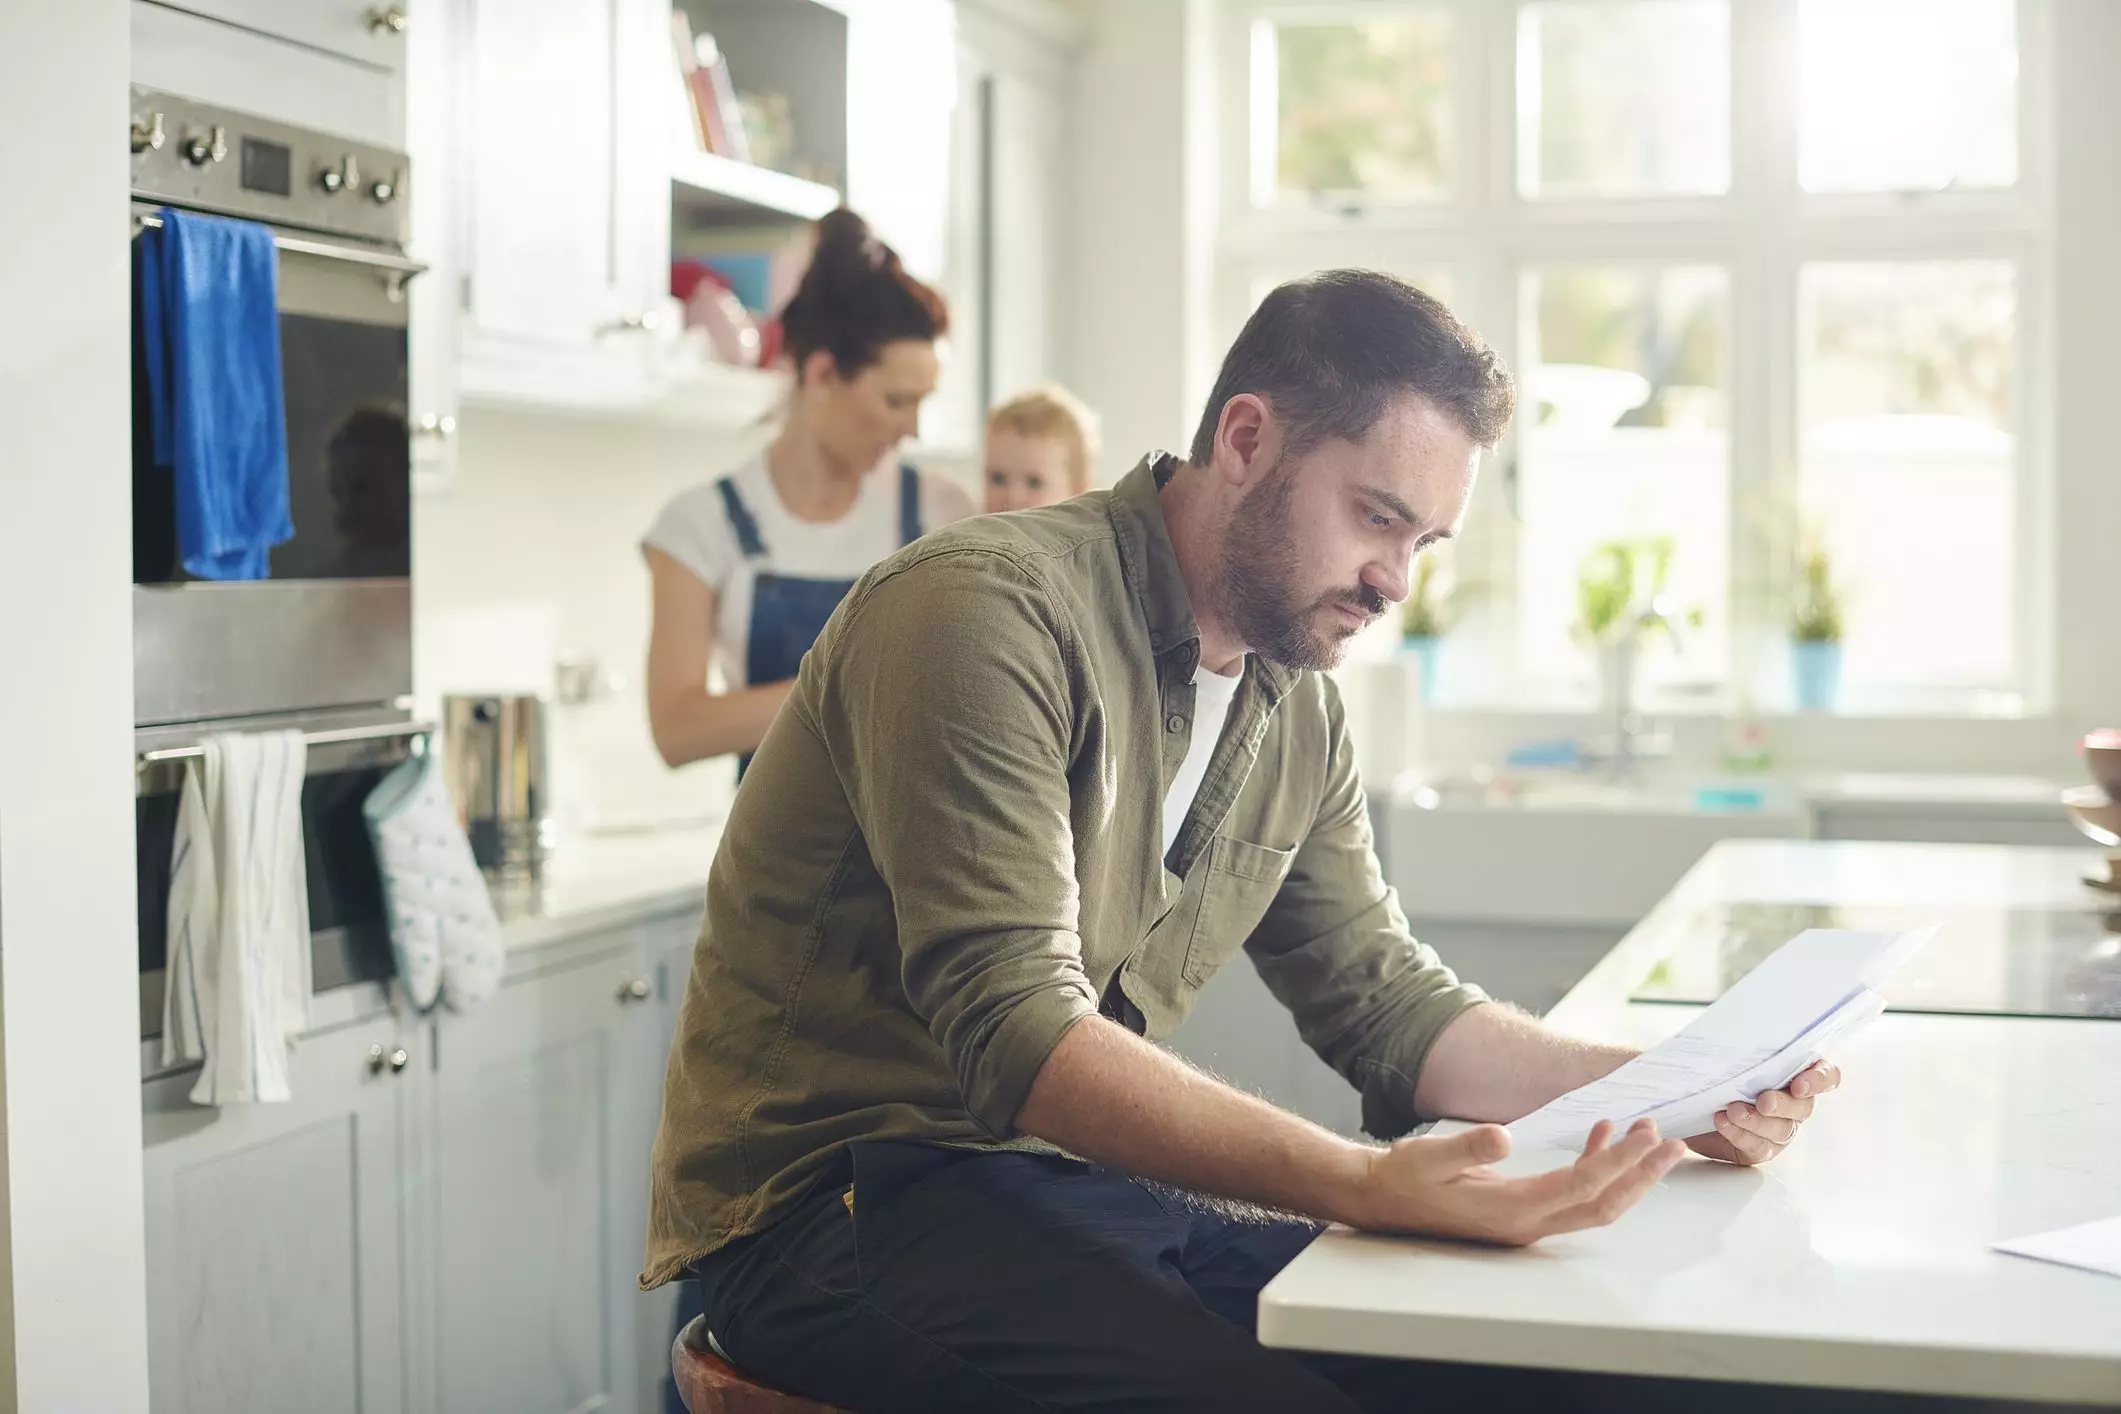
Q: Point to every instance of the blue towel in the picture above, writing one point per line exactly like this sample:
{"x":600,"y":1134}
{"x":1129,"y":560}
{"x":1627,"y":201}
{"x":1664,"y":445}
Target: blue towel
{"x":210,"y":324}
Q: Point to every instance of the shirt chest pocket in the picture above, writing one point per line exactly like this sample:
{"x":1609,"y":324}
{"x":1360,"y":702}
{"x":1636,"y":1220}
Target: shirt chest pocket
{"x":1241,"y":883}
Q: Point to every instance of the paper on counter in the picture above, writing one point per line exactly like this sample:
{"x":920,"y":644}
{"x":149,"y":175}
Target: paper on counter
{"x":1812,"y":993}
{"x":2093,"y":1246}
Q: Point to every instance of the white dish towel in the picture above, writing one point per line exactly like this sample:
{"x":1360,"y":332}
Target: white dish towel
{"x":238,"y":980}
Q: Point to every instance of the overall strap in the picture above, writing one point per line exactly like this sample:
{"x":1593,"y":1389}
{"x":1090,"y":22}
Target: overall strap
{"x":741,"y":520}
{"x":909,"y":504}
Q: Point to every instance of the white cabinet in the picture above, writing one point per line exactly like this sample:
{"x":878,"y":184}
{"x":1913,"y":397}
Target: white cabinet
{"x":276,"y":1234}
{"x":540,"y":126}
{"x":446,"y":1218}
{"x":370,"y":31}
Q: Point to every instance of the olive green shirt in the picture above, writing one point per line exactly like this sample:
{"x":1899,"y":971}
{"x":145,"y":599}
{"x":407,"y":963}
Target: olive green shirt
{"x":947,"y":852}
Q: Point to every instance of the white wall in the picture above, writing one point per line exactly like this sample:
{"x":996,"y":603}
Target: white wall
{"x":1135,"y":316}
{"x":530,"y":553}
{"x":73,"y":1315}
{"x":1134,"y":345}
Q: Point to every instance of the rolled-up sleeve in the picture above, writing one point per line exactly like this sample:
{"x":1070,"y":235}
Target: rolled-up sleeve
{"x":1336,"y":950}
{"x":948,"y":712}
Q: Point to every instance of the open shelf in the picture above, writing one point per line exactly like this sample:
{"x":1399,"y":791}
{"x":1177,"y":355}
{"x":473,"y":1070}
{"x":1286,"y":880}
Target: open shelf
{"x":708,"y":190}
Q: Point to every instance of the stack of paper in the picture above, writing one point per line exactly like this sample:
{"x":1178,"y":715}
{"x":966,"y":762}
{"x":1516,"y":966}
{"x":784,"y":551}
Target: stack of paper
{"x":1804,"y":1000}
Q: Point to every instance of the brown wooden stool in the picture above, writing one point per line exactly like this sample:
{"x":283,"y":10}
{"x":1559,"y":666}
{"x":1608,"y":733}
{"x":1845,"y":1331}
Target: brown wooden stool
{"x":711,"y":1385}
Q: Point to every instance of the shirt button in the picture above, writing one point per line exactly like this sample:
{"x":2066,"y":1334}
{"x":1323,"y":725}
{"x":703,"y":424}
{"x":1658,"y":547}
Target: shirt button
{"x":1156,"y":640}
{"x":1174,"y":723}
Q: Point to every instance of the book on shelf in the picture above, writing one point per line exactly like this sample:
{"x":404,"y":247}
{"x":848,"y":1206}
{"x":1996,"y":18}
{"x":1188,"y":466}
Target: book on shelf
{"x":726,"y":115}
{"x":681,"y":43}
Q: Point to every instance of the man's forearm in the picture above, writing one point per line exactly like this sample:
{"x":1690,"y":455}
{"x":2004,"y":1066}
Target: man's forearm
{"x":1494,"y":1063}
{"x":1108,"y":1095}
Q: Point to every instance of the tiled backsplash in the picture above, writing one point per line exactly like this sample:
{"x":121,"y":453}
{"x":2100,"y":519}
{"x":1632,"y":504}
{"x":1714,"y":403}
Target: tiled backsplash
{"x":530,"y":554}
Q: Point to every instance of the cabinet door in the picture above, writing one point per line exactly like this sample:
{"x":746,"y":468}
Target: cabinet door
{"x":536,"y":1243}
{"x":274,"y":1235}
{"x":667,"y":947}
{"x":372,"y":31}
{"x":564,"y":235}
{"x":539,"y":97}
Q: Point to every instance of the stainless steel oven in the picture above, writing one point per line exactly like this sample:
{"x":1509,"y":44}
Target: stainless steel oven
{"x":324,"y":643}
{"x":332,"y":624}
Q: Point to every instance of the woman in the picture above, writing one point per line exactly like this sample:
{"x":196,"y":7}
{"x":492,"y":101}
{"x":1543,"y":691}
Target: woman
{"x":747,"y":568}
{"x":1039,"y":448}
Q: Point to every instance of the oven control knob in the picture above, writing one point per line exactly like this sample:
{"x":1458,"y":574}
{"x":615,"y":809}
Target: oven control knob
{"x":201,"y":150}
{"x":344,"y":177}
{"x":384,"y":190}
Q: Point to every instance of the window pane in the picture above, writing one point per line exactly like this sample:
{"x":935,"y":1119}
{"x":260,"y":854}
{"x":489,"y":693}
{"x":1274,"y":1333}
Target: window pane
{"x":1908,"y":95}
{"x":1624,"y":99}
{"x":1910,"y":456}
{"x":1359,"y":111}
{"x":1430,"y":280}
{"x":1625,"y":438}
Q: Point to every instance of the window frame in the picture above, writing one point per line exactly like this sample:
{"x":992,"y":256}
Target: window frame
{"x":1763,"y":231}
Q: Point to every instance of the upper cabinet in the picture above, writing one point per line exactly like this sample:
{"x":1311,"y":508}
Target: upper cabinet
{"x":557,"y":174}
{"x":374,"y":34}
{"x":560,"y":186}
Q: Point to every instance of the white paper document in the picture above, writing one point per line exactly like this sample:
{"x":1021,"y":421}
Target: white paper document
{"x":2095,"y":1246}
{"x":1806,"y":998}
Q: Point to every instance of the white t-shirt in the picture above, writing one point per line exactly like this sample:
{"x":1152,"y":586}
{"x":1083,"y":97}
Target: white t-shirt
{"x":694,"y":529}
{"x":1212,"y":695}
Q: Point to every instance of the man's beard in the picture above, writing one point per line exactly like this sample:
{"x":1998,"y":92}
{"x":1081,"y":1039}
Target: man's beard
{"x":1259,"y":591}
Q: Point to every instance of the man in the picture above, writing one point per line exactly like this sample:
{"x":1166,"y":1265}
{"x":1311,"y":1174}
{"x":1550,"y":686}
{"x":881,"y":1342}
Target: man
{"x":1040,"y":778}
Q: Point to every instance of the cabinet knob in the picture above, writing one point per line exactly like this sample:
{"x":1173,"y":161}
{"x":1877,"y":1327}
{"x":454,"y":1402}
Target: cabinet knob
{"x":639,"y":322}
{"x":435,"y":427}
{"x":636,"y":990}
{"x":386,"y":19}
{"x":393,"y":1060}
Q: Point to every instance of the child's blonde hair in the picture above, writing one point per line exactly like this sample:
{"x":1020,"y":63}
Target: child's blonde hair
{"x":1052,"y":411}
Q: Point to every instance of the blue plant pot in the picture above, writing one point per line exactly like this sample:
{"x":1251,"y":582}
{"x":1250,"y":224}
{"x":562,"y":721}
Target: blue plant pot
{"x":1818,"y":673}
{"x":1421,"y":647}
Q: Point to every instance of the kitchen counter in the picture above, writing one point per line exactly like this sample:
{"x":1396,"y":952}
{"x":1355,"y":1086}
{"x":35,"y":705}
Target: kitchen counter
{"x":1859,"y":1260}
{"x":599,"y":881}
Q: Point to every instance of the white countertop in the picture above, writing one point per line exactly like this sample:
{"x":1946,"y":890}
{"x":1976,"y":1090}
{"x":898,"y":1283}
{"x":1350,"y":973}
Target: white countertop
{"x":608,"y":880}
{"x":1860,"y":1259}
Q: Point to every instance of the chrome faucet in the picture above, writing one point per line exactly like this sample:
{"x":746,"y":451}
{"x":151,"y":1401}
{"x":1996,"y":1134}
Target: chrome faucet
{"x":1628,"y":738}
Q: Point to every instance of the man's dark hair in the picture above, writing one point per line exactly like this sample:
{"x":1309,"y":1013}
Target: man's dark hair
{"x":1328,"y":351}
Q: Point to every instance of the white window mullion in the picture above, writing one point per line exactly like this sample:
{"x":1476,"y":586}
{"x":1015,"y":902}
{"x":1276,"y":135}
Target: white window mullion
{"x":1763,"y":340}
{"x":1490,"y":554}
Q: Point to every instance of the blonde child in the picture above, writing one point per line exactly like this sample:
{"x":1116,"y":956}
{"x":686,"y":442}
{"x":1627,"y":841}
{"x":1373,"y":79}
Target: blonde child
{"x":1039,"y":447}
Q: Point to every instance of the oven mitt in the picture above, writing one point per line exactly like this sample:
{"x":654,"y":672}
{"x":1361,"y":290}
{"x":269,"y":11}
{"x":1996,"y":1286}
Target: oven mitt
{"x":443,"y":929}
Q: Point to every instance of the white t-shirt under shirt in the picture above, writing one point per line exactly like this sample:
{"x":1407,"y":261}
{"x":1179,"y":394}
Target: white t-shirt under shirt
{"x":694,"y":530}
{"x":1212,"y":695}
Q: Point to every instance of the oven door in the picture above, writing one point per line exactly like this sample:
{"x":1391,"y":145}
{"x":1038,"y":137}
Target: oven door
{"x":349,"y":934}
{"x":332,"y":626}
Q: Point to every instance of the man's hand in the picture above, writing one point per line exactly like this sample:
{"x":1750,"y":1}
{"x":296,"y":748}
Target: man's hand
{"x":1444,"y":1187}
{"x":1755,"y":1133}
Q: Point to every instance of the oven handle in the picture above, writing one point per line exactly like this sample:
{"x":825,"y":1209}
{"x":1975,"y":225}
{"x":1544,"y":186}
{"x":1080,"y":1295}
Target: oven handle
{"x":379,"y":731}
{"x":397,"y":266}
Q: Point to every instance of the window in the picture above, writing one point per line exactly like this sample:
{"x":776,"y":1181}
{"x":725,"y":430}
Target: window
{"x":1357,"y":112}
{"x":1908,"y":388}
{"x":1907,"y":95}
{"x":1623,"y":437}
{"x":1618,"y":100}
{"x":1757,"y":266}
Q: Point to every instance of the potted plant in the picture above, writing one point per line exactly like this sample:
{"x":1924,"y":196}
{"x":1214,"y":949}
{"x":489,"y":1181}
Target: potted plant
{"x":1620,"y":593}
{"x":1424,"y":617}
{"x":1815,"y":626}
